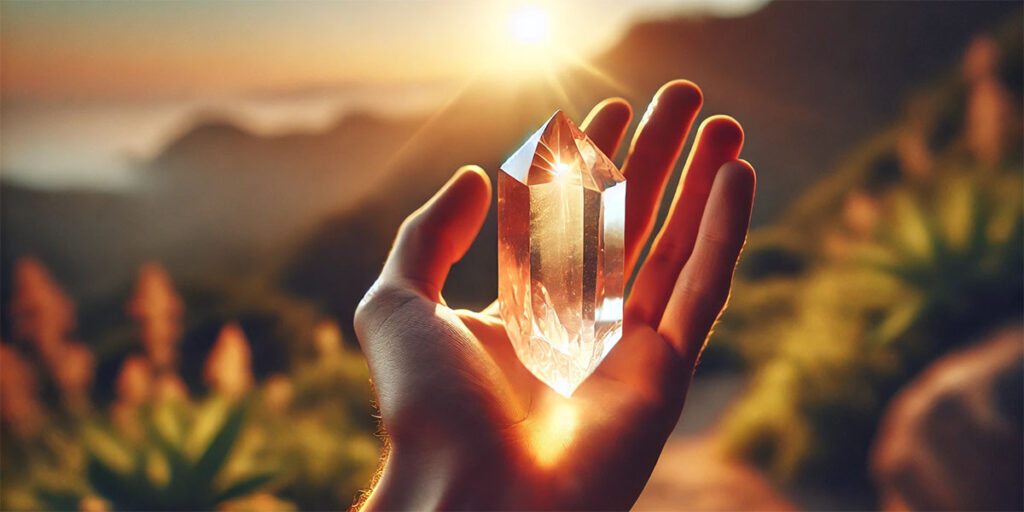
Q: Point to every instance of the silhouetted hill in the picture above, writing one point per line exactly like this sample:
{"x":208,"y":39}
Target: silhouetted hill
{"x":263,"y":190}
{"x":216,"y":144}
{"x":206,"y":141}
{"x":218,"y":201}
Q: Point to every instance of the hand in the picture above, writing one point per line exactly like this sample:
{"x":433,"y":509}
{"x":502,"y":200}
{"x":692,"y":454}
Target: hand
{"x":468,"y":425}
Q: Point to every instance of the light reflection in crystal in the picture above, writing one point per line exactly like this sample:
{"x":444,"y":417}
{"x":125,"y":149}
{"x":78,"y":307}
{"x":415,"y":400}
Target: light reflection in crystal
{"x":561,"y":209}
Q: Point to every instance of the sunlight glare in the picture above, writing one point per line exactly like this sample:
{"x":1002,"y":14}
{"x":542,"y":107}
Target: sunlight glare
{"x":553,"y":431}
{"x":529,"y":24}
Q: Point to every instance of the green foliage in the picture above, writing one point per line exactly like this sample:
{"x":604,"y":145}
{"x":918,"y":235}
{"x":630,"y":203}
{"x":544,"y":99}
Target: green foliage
{"x":832,"y":344}
{"x":325,"y":445}
{"x":961,"y":254}
{"x":304,"y":437}
{"x":44,"y":473}
{"x":162,"y":470}
{"x":833,"y":319}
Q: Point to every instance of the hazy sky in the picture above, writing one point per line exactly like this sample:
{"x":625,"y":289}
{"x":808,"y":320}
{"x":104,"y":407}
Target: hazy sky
{"x":86,"y":88}
{"x":122,"y":49}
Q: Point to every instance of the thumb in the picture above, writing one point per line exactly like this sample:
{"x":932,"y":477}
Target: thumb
{"x":437,"y":234}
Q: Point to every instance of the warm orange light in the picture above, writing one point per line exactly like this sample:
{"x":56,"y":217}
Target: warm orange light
{"x":552,"y":430}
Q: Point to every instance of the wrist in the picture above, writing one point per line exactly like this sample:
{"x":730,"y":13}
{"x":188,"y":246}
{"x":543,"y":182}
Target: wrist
{"x":441,"y":477}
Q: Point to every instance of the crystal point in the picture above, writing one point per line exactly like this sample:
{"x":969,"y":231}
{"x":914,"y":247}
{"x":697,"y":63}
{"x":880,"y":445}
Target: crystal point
{"x":561,"y":227}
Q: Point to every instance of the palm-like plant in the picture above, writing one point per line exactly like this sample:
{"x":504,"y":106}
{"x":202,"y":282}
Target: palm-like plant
{"x":960,"y":255}
{"x":164,"y":470}
{"x":943,"y":266}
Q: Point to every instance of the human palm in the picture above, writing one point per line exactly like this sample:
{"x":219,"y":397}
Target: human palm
{"x":469,"y":426}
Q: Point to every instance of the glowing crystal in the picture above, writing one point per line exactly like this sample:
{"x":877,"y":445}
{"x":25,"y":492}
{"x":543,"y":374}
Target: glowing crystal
{"x":561,"y":223}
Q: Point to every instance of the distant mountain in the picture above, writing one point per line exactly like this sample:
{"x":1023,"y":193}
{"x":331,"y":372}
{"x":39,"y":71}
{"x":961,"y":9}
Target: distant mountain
{"x":218,"y":202}
{"x":262,"y":191}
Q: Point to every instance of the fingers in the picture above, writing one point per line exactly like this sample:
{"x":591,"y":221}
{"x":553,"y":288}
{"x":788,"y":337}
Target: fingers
{"x":718,"y":141}
{"x":654,"y":151}
{"x":702,"y":289}
{"x":435,"y":236}
{"x":606,"y":124}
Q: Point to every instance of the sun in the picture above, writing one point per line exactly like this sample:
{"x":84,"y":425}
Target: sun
{"x":529,"y":25}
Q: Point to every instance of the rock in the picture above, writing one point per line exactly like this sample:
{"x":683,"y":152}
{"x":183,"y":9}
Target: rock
{"x":952,"y":439}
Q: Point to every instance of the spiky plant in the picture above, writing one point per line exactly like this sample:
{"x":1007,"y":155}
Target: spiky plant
{"x":943,"y":267}
{"x":959,"y":252}
{"x":179,"y":464}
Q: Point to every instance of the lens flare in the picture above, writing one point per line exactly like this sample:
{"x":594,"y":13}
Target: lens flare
{"x":529,"y":24}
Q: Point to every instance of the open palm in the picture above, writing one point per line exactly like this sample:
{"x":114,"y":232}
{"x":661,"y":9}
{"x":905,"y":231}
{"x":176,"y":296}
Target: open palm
{"x":469,"y":426}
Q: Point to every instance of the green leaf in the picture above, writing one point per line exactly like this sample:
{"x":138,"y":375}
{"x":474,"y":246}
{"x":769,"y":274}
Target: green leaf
{"x":178,"y":465}
{"x":899,"y":320}
{"x":105,"y":480}
{"x":217,"y":452}
{"x":119,"y":489}
{"x":59,"y":500}
{"x":913,"y":235}
{"x":107,"y":447}
{"x":244,"y":486}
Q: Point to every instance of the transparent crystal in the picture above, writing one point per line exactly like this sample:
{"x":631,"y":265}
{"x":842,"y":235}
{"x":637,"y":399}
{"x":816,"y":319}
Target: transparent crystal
{"x":561,"y":224}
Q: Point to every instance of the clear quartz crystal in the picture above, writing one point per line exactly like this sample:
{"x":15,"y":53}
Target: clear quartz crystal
{"x":561,"y":224}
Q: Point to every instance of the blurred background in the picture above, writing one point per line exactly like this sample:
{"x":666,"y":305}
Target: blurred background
{"x":195,"y":195}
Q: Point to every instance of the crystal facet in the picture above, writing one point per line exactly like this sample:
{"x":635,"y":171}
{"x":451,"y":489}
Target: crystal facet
{"x":561,"y":227}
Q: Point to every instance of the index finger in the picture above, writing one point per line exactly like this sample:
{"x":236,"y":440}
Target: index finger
{"x":606,"y":124}
{"x":652,"y":156}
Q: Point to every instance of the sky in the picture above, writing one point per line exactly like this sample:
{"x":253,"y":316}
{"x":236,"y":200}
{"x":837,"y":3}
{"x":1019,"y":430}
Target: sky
{"x":87,"y":86}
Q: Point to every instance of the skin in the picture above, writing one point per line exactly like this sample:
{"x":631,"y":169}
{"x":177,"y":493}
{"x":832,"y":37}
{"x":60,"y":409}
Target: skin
{"x":468,"y":426}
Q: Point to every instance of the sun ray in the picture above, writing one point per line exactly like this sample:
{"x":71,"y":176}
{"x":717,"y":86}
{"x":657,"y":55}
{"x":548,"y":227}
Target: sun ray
{"x":430,"y":120}
{"x":537,"y":60}
{"x":595,"y":71}
{"x":551,"y":77}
